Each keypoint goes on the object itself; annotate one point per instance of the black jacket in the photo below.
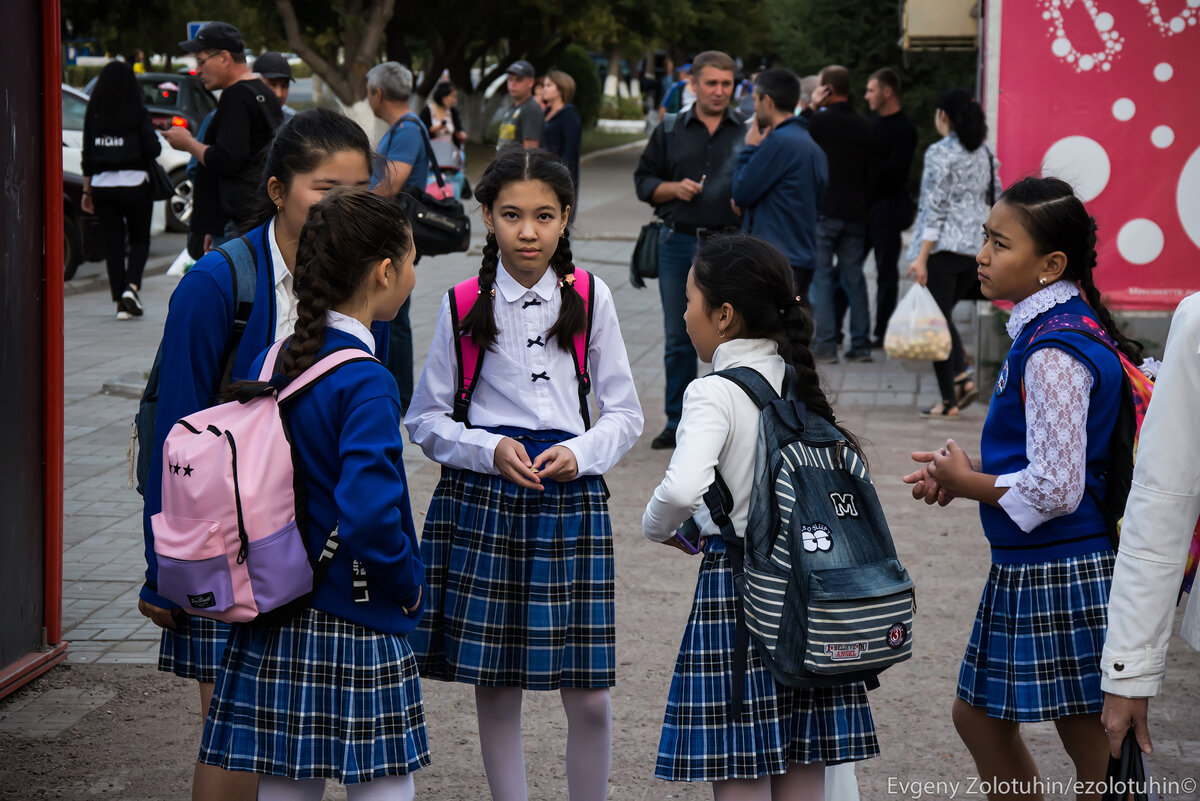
(848, 139)
(107, 151)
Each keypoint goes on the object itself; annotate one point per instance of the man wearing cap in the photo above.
(524, 121)
(236, 140)
(276, 73)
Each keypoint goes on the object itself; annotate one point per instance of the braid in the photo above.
(312, 295)
(480, 322)
(572, 316)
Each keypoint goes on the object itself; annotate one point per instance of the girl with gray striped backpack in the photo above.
(800, 600)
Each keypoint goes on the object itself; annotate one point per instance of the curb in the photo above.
(81, 286)
(608, 151)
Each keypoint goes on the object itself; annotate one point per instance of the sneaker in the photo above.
(131, 303)
(122, 314)
(664, 441)
(859, 355)
(826, 358)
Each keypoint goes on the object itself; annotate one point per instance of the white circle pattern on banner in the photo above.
(1140, 241)
(1081, 162)
(1162, 136)
(1187, 197)
(1124, 109)
(1163, 72)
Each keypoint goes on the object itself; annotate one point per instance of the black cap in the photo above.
(215, 36)
(273, 65)
(522, 69)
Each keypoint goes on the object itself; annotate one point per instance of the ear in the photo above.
(383, 272)
(487, 218)
(276, 191)
(727, 318)
(1053, 266)
(566, 218)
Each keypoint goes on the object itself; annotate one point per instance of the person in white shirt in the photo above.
(1160, 520)
(742, 310)
(518, 542)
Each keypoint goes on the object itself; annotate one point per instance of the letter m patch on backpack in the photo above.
(823, 597)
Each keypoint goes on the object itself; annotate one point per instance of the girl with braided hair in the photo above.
(1035, 650)
(518, 541)
(332, 692)
(742, 310)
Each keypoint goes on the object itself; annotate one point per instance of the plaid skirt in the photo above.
(519, 584)
(1034, 652)
(317, 697)
(194, 649)
(779, 724)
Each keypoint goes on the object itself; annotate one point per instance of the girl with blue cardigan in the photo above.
(315, 151)
(332, 693)
(1034, 652)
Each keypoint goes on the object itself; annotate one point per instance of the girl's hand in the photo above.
(557, 463)
(918, 272)
(951, 467)
(86, 204)
(513, 463)
(677, 545)
(163, 618)
(924, 486)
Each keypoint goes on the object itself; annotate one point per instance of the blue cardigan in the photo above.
(196, 337)
(345, 432)
(1003, 445)
(779, 185)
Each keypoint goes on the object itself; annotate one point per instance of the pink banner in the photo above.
(1106, 94)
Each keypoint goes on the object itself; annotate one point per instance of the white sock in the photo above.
(281, 788)
(388, 788)
(589, 742)
(499, 712)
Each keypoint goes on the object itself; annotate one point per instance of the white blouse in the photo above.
(528, 382)
(286, 301)
(1057, 394)
(718, 429)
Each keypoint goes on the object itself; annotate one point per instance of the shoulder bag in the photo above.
(439, 225)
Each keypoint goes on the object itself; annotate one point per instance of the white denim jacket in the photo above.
(1159, 519)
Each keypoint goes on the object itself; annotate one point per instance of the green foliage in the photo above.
(621, 108)
(78, 75)
(575, 61)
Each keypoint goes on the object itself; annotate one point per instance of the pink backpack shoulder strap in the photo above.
(321, 368)
(586, 288)
(272, 358)
(470, 355)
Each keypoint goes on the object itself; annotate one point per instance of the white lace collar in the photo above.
(1038, 302)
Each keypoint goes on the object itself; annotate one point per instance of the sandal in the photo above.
(966, 391)
(941, 410)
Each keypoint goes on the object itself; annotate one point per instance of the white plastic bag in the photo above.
(917, 329)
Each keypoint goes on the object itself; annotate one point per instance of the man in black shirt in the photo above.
(686, 173)
(234, 147)
(892, 209)
(849, 143)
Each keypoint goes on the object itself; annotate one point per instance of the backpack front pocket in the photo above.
(279, 568)
(193, 568)
(859, 618)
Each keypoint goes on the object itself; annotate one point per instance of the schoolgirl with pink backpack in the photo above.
(321, 579)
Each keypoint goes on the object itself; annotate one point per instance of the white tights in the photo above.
(800, 783)
(388, 788)
(589, 742)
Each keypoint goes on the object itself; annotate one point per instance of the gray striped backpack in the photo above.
(822, 596)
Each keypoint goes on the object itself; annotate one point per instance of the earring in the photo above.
(1042, 280)
(721, 334)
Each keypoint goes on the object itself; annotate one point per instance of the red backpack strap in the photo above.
(469, 354)
(586, 288)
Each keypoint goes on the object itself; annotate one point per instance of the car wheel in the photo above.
(179, 205)
(72, 246)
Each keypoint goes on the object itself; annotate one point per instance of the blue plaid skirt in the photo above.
(519, 584)
(194, 649)
(1034, 652)
(317, 697)
(779, 724)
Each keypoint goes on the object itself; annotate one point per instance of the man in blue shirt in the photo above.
(781, 175)
(402, 163)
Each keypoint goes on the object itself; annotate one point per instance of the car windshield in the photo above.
(73, 110)
(161, 93)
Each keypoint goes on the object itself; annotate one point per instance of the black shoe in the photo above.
(131, 303)
(664, 441)
(877, 343)
(859, 355)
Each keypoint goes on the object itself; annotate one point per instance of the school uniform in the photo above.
(779, 724)
(1034, 651)
(196, 338)
(521, 581)
(333, 693)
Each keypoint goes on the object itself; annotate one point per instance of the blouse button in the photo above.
(1118, 666)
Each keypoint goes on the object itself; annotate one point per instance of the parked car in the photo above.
(173, 99)
(174, 162)
(82, 238)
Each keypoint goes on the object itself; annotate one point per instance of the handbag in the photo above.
(161, 187)
(1126, 777)
(644, 262)
(439, 225)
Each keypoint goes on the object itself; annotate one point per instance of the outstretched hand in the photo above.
(950, 468)
(924, 486)
(512, 462)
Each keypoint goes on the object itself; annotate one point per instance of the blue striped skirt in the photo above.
(779, 724)
(317, 697)
(194, 649)
(519, 584)
(1034, 653)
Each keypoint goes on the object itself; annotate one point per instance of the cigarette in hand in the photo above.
(703, 178)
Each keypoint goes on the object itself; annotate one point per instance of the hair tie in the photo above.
(491, 292)
(569, 280)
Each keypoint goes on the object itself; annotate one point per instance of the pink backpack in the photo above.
(470, 355)
(227, 540)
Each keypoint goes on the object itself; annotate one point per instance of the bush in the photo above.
(622, 108)
(576, 62)
(78, 75)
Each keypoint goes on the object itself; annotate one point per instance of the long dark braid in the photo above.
(1057, 220)
(755, 279)
(513, 164)
(347, 234)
